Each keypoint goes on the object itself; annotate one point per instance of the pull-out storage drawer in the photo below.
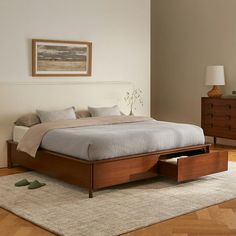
(192, 167)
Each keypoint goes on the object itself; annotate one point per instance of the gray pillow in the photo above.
(104, 111)
(50, 116)
(82, 114)
(28, 120)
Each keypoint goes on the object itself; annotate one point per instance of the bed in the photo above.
(111, 153)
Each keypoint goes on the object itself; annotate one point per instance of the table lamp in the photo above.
(215, 76)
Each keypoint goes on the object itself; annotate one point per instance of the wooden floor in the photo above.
(218, 220)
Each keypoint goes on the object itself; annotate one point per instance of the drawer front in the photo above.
(201, 165)
(216, 107)
(195, 166)
(225, 122)
(219, 117)
(216, 121)
(219, 107)
(222, 132)
(211, 110)
(219, 102)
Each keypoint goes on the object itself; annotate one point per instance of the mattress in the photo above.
(19, 132)
(116, 140)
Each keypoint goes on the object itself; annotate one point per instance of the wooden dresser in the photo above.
(219, 117)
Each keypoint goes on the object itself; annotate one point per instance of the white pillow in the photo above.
(104, 111)
(49, 116)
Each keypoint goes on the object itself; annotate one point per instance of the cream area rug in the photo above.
(67, 210)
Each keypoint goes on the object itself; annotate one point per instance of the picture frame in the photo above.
(61, 58)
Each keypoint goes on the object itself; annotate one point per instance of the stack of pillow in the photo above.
(42, 116)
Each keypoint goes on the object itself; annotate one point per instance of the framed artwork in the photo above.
(61, 58)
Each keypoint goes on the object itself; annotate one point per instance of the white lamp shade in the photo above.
(215, 75)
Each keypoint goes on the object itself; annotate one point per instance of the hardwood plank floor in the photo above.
(16, 170)
(217, 220)
(12, 225)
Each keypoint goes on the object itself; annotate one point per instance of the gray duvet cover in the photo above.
(115, 140)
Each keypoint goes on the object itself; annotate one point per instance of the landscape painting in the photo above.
(61, 58)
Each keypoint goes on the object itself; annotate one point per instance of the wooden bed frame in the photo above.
(94, 175)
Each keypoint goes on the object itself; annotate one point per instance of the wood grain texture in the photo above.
(97, 174)
(194, 167)
(202, 165)
(218, 117)
(12, 171)
(215, 220)
(124, 171)
(54, 165)
(12, 225)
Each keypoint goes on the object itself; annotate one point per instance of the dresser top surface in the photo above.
(233, 97)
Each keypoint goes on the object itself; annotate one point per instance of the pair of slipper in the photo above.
(31, 185)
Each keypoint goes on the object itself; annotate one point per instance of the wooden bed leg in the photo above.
(91, 182)
(207, 149)
(9, 162)
(9, 165)
(90, 193)
(214, 141)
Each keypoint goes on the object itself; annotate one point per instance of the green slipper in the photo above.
(36, 184)
(22, 183)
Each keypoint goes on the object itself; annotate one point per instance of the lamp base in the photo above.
(215, 92)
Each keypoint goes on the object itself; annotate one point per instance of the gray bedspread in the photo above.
(115, 140)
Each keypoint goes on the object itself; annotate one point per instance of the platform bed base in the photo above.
(94, 175)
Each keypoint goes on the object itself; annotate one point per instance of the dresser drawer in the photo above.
(193, 167)
(217, 112)
(233, 111)
(216, 121)
(216, 108)
(219, 117)
(214, 102)
(222, 132)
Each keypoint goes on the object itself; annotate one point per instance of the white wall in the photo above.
(119, 31)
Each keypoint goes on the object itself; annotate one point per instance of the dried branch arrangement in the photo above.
(133, 98)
